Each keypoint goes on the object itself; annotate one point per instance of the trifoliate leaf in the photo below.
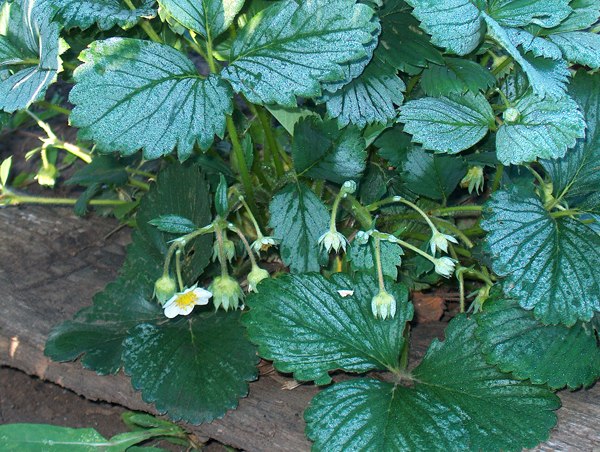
(455, 25)
(433, 176)
(579, 47)
(575, 177)
(98, 332)
(448, 124)
(29, 53)
(132, 94)
(545, 13)
(549, 264)
(471, 406)
(298, 45)
(543, 128)
(456, 76)
(322, 151)
(106, 13)
(298, 219)
(546, 77)
(305, 326)
(209, 18)
(362, 258)
(516, 342)
(370, 98)
(193, 369)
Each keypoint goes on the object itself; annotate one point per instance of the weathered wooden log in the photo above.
(52, 263)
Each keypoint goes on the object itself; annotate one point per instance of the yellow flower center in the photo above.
(186, 300)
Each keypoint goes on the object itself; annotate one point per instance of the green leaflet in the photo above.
(174, 224)
(545, 13)
(298, 219)
(430, 175)
(516, 342)
(455, 25)
(456, 76)
(549, 264)
(579, 47)
(575, 177)
(362, 258)
(194, 369)
(97, 332)
(585, 14)
(471, 406)
(209, 18)
(132, 94)
(106, 13)
(448, 124)
(29, 53)
(305, 326)
(545, 128)
(322, 151)
(307, 43)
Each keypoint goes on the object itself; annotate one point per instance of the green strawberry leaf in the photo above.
(545, 13)
(29, 53)
(174, 224)
(448, 124)
(105, 13)
(585, 14)
(209, 18)
(430, 175)
(455, 25)
(545, 128)
(456, 76)
(322, 151)
(516, 342)
(549, 264)
(471, 406)
(575, 177)
(98, 331)
(579, 47)
(193, 369)
(362, 258)
(305, 326)
(298, 219)
(132, 94)
(306, 42)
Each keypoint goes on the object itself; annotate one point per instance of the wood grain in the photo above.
(52, 263)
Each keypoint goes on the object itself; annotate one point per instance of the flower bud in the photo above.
(511, 115)
(383, 305)
(474, 179)
(228, 250)
(256, 276)
(164, 288)
(226, 292)
(362, 237)
(47, 175)
(263, 244)
(349, 187)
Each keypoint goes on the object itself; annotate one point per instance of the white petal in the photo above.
(345, 293)
(187, 310)
(172, 311)
(203, 296)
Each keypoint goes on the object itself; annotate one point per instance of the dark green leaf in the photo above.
(174, 224)
(550, 264)
(575, 176)
(322, 151)
(448, 124)
(132, 94)
(546, 13)
(585, 14)
(579, 47)
(106, 13)
(209, 18)
(306, 42)
(194, 369)
(221, 202)
(362, 258)
(451, 407)
(104, 169)
(98, 331)
(298, 219)
(29, 43)
(433, 176)
(456, 76)
(305, 326)
(516, 342)
(545, 128)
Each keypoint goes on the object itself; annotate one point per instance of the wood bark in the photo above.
(52, 263)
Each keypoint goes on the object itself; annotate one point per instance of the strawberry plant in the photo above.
(295, 169)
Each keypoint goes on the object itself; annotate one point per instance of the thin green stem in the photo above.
(271, 141)
(222, 259)
(334, 209)
(498, 177)
(416, 250)
(451, 211)
(259, 233)
(56, 108)
(241, 163)
(378, 264)
(145, 25)
(178, 269)
(139, 184)
(140, 173)
(242, 237)
(537, 175)
(359, 212)
(503, 65)
(74, 149)
(461, 287)
(566, 213)
(16, 200)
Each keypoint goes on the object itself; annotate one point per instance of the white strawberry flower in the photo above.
(333, 240)
(444, 266)
(182, 303)
(440, 241)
